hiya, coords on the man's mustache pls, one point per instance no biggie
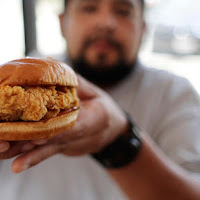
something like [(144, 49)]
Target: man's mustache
[(112, 42)]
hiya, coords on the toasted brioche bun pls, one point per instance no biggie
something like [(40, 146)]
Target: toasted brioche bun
[(37, 72), (34, 71)]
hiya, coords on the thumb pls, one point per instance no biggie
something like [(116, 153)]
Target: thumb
[(86, 90), (4, 146)]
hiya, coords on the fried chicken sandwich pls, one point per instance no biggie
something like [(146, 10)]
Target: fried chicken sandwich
[(38, 99)]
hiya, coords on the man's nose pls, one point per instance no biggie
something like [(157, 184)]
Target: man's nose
[(106, 20)]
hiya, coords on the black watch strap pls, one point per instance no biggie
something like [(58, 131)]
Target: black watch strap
[(123, 149)]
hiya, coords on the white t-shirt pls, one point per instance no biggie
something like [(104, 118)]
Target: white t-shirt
[(164, 105)]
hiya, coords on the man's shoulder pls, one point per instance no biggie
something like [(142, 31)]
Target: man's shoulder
[(158, 74), (169, 83), (159, 77)]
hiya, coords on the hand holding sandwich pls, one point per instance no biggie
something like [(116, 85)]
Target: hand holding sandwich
[(99, 122)]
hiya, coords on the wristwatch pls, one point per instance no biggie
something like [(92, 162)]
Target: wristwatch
[(123, 149)]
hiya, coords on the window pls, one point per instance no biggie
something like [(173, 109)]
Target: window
[(172, 41), (12, 32), (49, 39)]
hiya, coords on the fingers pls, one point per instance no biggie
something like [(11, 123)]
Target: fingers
[(34, 157), (86, 90), (15, 149), (90, 144), (91, 119), (37, 155), (4, 146)]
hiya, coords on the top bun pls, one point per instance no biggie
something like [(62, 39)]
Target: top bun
[(35, 71)]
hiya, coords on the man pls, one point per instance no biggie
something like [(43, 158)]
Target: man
[(103, 39)]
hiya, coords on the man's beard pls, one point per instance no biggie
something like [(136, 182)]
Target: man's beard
[(101, 73)]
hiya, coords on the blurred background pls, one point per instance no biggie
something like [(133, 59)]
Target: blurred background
[(171, 42)]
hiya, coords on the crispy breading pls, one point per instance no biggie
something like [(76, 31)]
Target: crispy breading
[(34, 103)]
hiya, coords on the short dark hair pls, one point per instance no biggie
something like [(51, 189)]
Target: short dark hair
[(142, 3)]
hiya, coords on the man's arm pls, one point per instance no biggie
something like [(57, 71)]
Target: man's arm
[(152, 176)]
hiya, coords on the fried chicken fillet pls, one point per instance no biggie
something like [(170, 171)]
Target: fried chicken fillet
[(35, 103)]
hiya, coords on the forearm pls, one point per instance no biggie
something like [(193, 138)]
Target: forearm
[(152, 176)]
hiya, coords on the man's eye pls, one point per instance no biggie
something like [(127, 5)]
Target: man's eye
[(89, 9), (123, 12)]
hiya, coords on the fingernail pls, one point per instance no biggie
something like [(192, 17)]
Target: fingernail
[(27, 147), (3, 147), (18, 169)]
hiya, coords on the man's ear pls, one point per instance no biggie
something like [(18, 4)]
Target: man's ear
[(144, 26), (61, 19)]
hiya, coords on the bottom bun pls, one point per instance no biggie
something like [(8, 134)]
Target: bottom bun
[(43, 129)]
